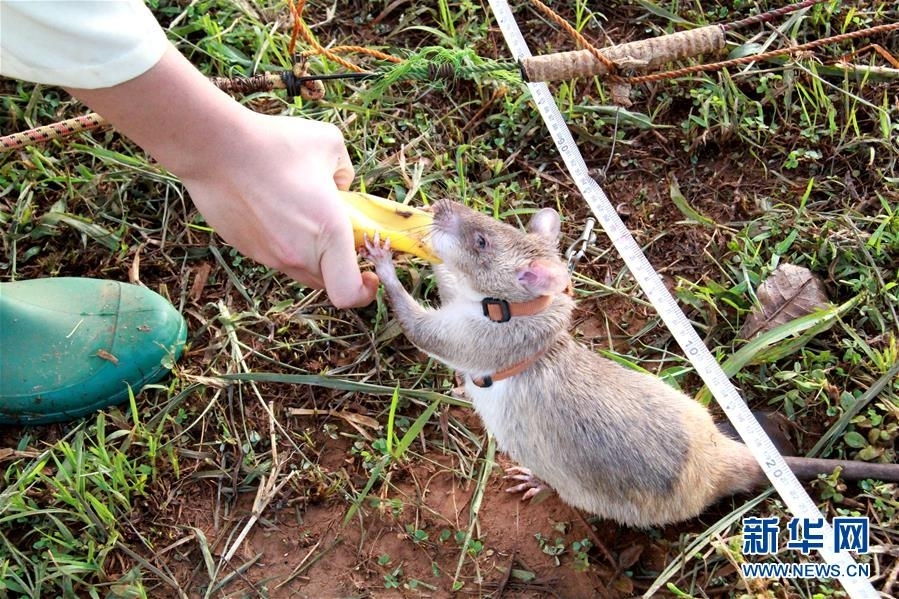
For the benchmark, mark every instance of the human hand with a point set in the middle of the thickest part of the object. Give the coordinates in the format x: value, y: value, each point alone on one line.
x: 267, y: 184
x: 273, y: 196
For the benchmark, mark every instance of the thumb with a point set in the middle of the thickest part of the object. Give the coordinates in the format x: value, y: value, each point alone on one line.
x: 352, y: 290
x: 343, y: 176
x: 346, y: 285
x: 344, y: 173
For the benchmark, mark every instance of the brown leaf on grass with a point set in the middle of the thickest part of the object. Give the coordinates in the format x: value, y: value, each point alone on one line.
x: 201, y: 277
x: 357, y: 421
x: 7, y: 453
x: 628, y: 557
x: 789, y: 292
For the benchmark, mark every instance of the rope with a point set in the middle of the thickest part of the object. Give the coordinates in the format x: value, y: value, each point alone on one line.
x: 640, y: 55
x: 295, y: 82
x: 246, y: 85
x: 435, y: 64
x: 767, y: 17
x: 300, y: 28
x: 295, y: 12
x: 611, y: 67
x: 714, y: 66
x: 47, y: 133
x: 361, y: 50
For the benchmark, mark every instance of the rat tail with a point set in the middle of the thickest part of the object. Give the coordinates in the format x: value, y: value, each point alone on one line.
x: 810, y: 468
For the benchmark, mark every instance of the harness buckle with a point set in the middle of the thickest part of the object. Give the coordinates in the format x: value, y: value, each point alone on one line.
x: 491, y: 305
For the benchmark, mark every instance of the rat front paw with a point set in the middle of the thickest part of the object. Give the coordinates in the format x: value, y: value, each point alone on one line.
x: 533, y: 487
x: 379, y: 253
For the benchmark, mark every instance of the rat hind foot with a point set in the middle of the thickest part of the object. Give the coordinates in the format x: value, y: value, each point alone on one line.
x: 533, y: 488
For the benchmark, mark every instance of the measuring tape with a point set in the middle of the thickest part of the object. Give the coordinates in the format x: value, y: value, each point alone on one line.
x: 773, y: 464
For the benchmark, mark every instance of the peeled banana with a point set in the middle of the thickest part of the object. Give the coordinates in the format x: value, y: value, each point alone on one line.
x: 405, y: 226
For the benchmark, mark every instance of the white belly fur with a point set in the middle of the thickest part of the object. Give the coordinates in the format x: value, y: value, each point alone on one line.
x: 489, y: 403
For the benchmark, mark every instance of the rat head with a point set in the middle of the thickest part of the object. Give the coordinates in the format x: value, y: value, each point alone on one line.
x: 494, y: 259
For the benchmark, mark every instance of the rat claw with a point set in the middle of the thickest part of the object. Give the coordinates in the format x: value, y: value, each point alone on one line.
x: 521, y: 477
x: 533, y: 492
x: 519, y: 488
x: 374, y: 250
x: 518, y: 470
x: 373, y: 243
x: 533, y: 488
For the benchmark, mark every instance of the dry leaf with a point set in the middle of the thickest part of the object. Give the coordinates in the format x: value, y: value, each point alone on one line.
x: 11, y: 454
x: 357, y: 421
x: 201, y: 277
x: 134, y: 269
x: 628, y: 557
x: 789, y: 292
x: 623, y: 586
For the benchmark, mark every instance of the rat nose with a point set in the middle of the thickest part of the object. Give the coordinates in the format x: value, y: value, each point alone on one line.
x: 443, y: 213
x: 441, y: 206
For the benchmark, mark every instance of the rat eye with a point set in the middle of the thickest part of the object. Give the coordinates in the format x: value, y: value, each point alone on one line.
x: 481, y: 241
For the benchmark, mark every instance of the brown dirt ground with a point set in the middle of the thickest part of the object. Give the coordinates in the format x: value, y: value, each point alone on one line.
x: 345, y: 557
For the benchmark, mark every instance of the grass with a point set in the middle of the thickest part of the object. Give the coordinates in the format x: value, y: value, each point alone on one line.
x: 284, y: 408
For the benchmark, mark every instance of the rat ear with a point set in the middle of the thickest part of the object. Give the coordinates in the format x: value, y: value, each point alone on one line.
x: 544, y: 277
x: 547, y: 223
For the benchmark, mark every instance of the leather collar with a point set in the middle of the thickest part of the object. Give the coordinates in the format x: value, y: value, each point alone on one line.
x: 500, y: 310
x: 487, y: 381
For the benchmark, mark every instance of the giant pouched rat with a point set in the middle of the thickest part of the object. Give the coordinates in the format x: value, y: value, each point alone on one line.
x: 614, y: 442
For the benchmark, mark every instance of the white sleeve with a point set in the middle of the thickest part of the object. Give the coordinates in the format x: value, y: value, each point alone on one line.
x: 85, y: 44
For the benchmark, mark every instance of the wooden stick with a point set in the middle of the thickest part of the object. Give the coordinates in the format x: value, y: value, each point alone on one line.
x: 642, y: 55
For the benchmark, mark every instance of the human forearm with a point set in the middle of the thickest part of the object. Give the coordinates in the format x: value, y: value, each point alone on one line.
x: 173, y: 112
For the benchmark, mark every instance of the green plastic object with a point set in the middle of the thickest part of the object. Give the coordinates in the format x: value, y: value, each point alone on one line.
x: 71, y: 346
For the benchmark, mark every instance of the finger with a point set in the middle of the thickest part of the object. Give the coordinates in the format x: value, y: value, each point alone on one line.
x: 346, y: 285
x: 344, y: 173
x: 345, y: 295
x: 371, y: 281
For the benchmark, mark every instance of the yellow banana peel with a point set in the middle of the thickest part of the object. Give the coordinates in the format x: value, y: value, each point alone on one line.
x: 405, y: 226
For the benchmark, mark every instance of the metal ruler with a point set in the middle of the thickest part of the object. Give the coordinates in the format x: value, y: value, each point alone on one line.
x: 773, y: 464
